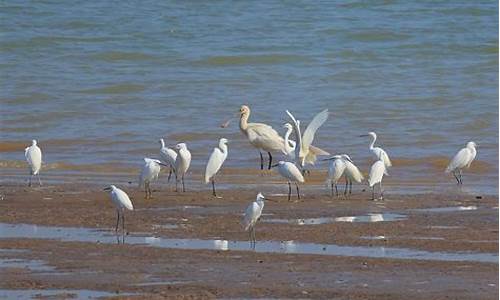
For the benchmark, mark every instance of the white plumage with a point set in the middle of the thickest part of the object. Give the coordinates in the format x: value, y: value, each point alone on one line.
x: 462, y: 160
x: 290, y: 145
x: 215, y: 161
x: 122, y: 202
x: 336, y: 168
x: 33, y: 155
x: 252, y: 214
x: 182, y: 164
x: 375, y: 176
x: 377, y: 151
x: 351, y: 173
x: 306, y: 153
x: 168, y: 156
x: 292, y: 174
x: 149, y: 172
x: 261, y: 136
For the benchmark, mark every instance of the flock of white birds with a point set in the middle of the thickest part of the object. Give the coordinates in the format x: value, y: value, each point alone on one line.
x: 301, y: 152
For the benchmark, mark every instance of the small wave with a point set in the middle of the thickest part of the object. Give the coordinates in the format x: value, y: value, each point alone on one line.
x: 265, y: 59
x: 28, y: 99
x: 98, y: 168
x: 378, y: 36
x: 123, y: 88
x: 114, y: 56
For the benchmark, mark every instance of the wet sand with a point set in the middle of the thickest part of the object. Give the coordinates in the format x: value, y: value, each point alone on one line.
x: 133, y: 270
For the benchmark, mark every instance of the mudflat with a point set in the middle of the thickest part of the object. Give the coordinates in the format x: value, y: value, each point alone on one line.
x: 192, y: 245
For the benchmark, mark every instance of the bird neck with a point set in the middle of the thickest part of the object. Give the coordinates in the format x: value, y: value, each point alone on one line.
x: 374, y: 138
x: 223, y: 148
x: 244, y: 121
x: 288, y: 147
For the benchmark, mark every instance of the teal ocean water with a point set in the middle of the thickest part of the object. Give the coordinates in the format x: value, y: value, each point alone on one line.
x: 101, y: 81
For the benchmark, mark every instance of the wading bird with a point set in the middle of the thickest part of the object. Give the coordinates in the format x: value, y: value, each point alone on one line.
x: 462, y: 160
x: 217, y: 158
x: 33, y: 155
x: 377, y: 151
x: 336, y: 168
x: 261, y: 136
x: 168, y: 156
x: 351, y: 173
x: 377, y: 172
x: 149, y: 172
x: 181, y: 164
x: 306, y: 153
x: 122, y: 202
x: 291, y: 174
x: 252, y: 215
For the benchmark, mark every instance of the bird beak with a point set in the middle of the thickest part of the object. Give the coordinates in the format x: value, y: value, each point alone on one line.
x: 326, y: 159
x: 363, y: 135
x: 270, y: 199
x: 107, y: 189
x: 162, y: 164
x: 273, y: 166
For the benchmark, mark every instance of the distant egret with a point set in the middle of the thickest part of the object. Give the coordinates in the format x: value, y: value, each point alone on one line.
x: 33, y: 155
x: 181, y: 164
x: 292, y: 174
x: 122, y: 202
x: 377, y: 172
x: 215, y: 162
x: 336, y: 168
x: 351, y: 173
x: 168, y: 156
x: 252, y: 215
x: 307, y: 152
x: 149, y: 172
x: 261, y: 136
x: 377, y: 151
x: 462, y: 159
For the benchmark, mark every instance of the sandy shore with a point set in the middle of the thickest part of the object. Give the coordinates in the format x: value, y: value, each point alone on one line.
x: 468, y: 224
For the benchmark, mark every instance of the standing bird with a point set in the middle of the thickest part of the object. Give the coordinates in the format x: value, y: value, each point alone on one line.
x: 377, y: 172
x: 307, y: 152
x: 33, y: 155
x: 122, y: 202
x: 215, y: 162
x: 462, y: 160
x: 182, y: 163
x: 291, y: 173
x: 261, y: 136
x: 168, y: 156
x: 377, y: 151
x: 336, y: 168
x: 149, y: 172
x: 252, y: 215
x: 351, y: 173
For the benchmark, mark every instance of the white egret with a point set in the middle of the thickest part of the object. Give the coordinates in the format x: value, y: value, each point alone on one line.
x: 336, y: 168
x: 122, y: 202
x: 215, y: 162
x: 252, y: 215
x: 377, y: 172
x: 292, y: 174
x: 462, y: 159
x: 307, y: 152
x: 181, y: 164
x: 168, y: 156
x: 33, y: 155
x: 351, y: 173
x: 261, y: 136
x: 149, y: 172
x: 377, y: 151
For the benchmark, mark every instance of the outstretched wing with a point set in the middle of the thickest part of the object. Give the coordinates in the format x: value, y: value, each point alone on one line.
x: 298, y: 136
x: 317, y: 151
x: 311, y: 129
